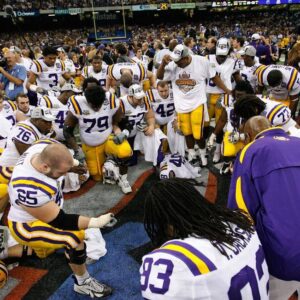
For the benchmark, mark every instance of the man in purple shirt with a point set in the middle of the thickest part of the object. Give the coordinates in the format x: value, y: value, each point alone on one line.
x: 265, y: 183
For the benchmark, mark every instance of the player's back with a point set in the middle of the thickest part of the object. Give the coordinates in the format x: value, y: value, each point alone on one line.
x: 193, y: 268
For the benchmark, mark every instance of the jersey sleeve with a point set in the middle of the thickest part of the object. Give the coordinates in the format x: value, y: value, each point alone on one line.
x: 84, y: 72
x: 279, y: 115
x: 113, y: 72
x: 45, y: 101
x: 74, y: 106
x: 169, y: 74
x: 294, y: 83
x: 210, y: 68
x: 36, y: 67
x: 32, y: 192
x: 24, y: 134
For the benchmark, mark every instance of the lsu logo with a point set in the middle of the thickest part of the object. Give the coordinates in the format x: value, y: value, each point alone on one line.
x: 185, y: 83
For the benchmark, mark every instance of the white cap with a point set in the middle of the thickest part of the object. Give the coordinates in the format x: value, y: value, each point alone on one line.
x: 15, y: 49
x: 42, y: 113
x: 179, y: 52
x: 223, y: 46
x: 250, y: 51
x: 61, y: 49
x: 255, y: 37
x: 136, y: 91
x: 70, y: 87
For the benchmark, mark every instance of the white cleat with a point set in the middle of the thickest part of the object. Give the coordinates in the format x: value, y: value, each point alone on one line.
x: 124, y: 184
x: 93, y: 288
x: 217, y: 157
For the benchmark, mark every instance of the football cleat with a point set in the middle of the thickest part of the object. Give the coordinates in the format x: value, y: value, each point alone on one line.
x: 216, y: 157
x: 124, y: 184
x: 92, y: 288
x: 225, y: 169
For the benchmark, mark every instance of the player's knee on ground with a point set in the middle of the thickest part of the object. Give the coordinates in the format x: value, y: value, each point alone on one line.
x: 197, y: 122
x: 118, y: 151
x: 76, y: 257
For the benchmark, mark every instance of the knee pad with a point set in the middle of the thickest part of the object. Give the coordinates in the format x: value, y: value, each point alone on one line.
x: 76, y: 257
x: 184, y: 123
x: 110, y: 171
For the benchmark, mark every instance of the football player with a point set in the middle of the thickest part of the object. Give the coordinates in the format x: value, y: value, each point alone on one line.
x: 95, y: 112
x: 9, y: 110
x: 281, y: 82
x: 136, y: 115
x: 250, y: 66
x: 58, y: 107
x: 188, y: 75
x: 226, y: 67
x: 36, y: 217
x: 127, y: 74
x: 203, y: 250
x: 46, y: 72
x: 97, y: 70
x: 23, y: 104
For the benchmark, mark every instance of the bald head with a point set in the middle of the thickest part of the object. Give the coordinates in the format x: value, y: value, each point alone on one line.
x: 255, y: 125
x: 57, y: 158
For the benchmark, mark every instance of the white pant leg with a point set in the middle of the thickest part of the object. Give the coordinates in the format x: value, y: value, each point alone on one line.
x: 281, y: 289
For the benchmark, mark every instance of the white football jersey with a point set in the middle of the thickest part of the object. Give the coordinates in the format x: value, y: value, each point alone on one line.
x: 9, y: 111
x: 164, y: 109
x: 134, y: 115
x: 189, y: 83
x: 278, y: 114
x: 31, y: 188
x: 193, y: 269
x: 88, y: 71
x: 48, y: 77
x: 5, y: 129
x: 94, y: 126
x: 175, y: 165
x: 144, y: 60
x: 225, y: 71
x: 139, y: 73
x: 69, y: 65
x: 58, y: 110
x: 290, y: 85
x: 248, y: 74
x: 24, y: 132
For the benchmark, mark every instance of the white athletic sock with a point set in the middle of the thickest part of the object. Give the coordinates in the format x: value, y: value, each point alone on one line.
x: 218, y: 148
x: 81, y: 279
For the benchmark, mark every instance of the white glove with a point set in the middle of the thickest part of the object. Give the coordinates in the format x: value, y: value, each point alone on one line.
x: 211, y: 141
x: 101, y: 221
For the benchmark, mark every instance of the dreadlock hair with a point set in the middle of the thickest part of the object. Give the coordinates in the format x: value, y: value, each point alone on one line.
x: 95, y: 96
x: 248, y: 106
x: 244, y: 86
x: 175, y: 209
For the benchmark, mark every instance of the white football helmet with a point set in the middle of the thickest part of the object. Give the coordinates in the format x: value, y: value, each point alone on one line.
x: 223, y: 46
x: 110, y: 172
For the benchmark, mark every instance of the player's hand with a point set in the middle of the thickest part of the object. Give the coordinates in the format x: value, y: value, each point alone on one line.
x: 121, y: 137
x: 79, y: 155
x: 80, y: 169
x: 101, y: 221
x: 149, y: 130
x: 211, y: 141
x: 41, y: 91
x: 166, y: 59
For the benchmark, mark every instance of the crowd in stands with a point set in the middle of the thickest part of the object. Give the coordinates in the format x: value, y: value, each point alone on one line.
x: 41, y: 4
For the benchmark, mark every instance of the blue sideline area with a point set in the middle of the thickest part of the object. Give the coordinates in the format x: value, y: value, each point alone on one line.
x: 117, y: 268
